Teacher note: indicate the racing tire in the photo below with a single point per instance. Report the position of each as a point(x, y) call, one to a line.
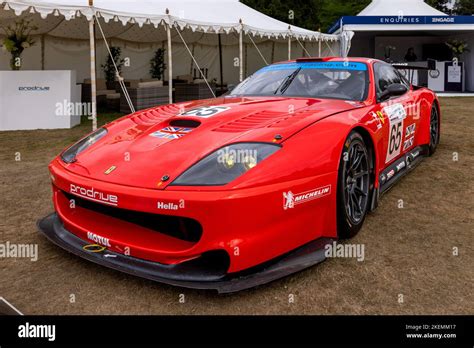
point(353, 193)
point(434, 129)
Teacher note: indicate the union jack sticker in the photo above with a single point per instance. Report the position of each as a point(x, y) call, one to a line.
point(171, 132)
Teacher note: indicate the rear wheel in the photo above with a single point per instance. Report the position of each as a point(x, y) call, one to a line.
point(434, 129)
point(353, 186)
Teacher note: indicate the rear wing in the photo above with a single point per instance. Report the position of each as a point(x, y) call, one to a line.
point(411, 67)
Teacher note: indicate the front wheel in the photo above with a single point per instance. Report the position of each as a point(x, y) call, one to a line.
point(353, 186)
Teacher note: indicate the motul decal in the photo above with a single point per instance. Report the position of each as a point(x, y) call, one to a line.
point(290, 199)
point(98, 239)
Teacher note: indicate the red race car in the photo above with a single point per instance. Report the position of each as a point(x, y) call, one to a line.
point(237, 191)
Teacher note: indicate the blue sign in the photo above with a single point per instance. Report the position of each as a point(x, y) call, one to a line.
point(401, 20)
point(317, 65)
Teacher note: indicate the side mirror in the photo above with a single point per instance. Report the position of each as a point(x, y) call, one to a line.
point(394, 90)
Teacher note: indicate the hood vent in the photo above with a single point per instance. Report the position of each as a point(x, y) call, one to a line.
point(156, 115)
point(252, 121)
point(264, 119)
point(292, 119)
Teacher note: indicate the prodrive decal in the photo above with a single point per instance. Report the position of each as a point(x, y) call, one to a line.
point(291, 199)
point(94, 195)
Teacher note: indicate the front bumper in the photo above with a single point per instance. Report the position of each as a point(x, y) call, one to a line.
point(250, 225)
point(195, 274)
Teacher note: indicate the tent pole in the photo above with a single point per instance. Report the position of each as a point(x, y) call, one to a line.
point(201, 71)
point(289, 44)
point(241, 52)
point(93, 69)
point(319, 42)
point(273, 51)
point(220, 62)
point(42, 51)
point(170, 64)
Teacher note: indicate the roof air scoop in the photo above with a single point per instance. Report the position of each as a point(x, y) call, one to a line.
point(184, 122)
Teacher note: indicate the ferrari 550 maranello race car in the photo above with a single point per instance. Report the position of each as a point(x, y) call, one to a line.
point(240, 190)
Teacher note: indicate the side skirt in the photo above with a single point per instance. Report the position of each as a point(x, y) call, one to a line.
point(396, 171)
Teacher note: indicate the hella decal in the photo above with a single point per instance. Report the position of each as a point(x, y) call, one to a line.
point(170, 205)
point(291, 199)
point(94, 195)
point(98, 239)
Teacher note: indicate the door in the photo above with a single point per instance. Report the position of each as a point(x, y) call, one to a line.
point(399, 113)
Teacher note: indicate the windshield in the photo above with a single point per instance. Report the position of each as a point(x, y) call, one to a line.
point(331, 80)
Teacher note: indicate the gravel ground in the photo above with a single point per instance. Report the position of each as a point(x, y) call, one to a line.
point(409, 266)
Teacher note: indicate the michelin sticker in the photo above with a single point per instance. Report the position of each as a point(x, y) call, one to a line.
point(291, 199)
point(396, 115)
point(205, 111)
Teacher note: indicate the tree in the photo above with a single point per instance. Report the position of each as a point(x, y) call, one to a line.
point(464, 7)
point(309, 14)
point(332, 10)
point(441, 5)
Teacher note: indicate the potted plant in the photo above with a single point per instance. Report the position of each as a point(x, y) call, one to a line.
point(18, 37)
point(458, 48)
point(157, 64)
point(109, 68)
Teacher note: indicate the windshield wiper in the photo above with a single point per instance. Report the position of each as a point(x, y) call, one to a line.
point(287, 82)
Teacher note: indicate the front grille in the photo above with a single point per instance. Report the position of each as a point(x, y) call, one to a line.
point(181, 228)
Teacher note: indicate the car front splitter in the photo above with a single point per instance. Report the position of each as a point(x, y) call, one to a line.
point(190, 274)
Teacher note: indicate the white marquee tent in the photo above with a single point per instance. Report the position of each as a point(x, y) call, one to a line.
point(140, 27)
point(400, 7)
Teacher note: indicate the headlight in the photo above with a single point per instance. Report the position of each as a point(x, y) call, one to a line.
point(225, 164)
point(70, 154)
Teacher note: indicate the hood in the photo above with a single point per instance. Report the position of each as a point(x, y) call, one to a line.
point(167, 140)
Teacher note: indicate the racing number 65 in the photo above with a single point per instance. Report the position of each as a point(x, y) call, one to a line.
point(395, 138)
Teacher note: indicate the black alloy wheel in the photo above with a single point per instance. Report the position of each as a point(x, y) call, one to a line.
point(354, 186)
